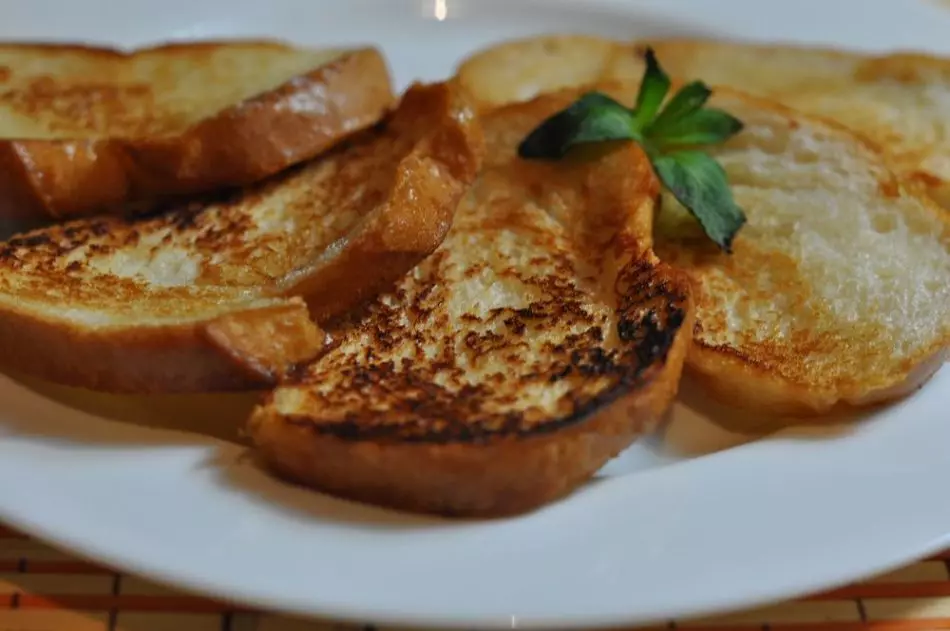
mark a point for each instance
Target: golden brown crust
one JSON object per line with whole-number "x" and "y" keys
{"x": 75, "y": 177}
{"x": 538, "y": 342}
{"x": 777, "y": 378}
{"x": 268, "y": 343}
{"x": 503, "y": 475}
{"x": 735, "y": 358}
{"x": 735, "y": 379}
{"x": 824, "y": 366}
{"x": 490, "y": 467}
{"x": 420, "y": 202}
{"x": 142, "y": 360}
{"x": 123, "y": 304}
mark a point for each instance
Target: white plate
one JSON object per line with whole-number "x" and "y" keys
{"x": 683, "y": 524}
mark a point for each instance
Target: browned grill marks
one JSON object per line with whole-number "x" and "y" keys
{"x": 650, "y": 317}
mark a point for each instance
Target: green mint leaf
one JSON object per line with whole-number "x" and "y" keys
{"x": 700, "y": 127}
{"x": 687, "y": 100}
{"x": 594, "y": 117}
{"x": 653, "y": 90}
{"x": 699, "y": 183}
{"x": 694, "y": 178}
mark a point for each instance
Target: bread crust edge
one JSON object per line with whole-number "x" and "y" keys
{"x": 160, "y": 359}
{"x": 502, "y": 476}
{"x": 755, "y": 389}
{"x": 244, "y": 143}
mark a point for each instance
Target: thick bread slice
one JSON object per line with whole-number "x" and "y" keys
{"x": 144, "y": 304}
{"x": 838, "y": 290}
{"x": 900, "y": 101}
{"x": 93, "y": 130}
{"x": 538, "y": 342}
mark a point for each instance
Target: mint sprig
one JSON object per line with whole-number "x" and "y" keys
{"x": 670, "y": 135}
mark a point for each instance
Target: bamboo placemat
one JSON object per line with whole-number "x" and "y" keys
{"x": 43, "y": 589}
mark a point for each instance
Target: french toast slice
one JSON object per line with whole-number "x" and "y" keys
{"x": 538, "y": 342}
{"x": 900, "y": 101}
{"x": 165, "y": 303}
{"x": 87, "y": 130}
{"x": 837, "y": 293}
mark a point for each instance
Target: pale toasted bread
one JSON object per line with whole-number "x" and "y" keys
{"x": 148, "y": 304}
{"x": 537, "y": 343}
{"x": 838, "y": 290}
{"x": 899, "y": 101}
{"x": 92, "y": 130}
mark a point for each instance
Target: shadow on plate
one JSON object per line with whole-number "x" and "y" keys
{"x": 249, "y": 477}
{"x": 37, "y": 408}
{"x": 696, "y": 427}
{"x": 699, "y": 425}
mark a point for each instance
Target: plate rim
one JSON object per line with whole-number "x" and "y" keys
{"x": 95, "y": 547}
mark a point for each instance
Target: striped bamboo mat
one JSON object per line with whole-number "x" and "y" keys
{"x": 42, "y": 589}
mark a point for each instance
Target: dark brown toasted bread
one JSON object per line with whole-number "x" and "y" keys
{"x": 538, "y": 342}
{"x": 149, "y": 304}
{"x": 92, "y": 130}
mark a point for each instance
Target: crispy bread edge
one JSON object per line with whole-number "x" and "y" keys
{"x": 769, "y": 393}
{"x": 494, "y": 476}
{"x": 411, "y": 224}
{"x": 146, "y": 360}
{"x": 248, "y": 347}
{"x": 754, "y": 387}
{"x": 244, "y": 143}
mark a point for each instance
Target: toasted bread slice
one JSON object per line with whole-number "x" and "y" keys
{"x": 538, "y": 342}
{"x": 838, "y": 290}
{"x": 165, "y": 303}
{"x": 899, "y": 101}
{"x": 93, "y": 130}
{"x": 837, "y": 294}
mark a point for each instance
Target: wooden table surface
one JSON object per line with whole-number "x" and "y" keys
{"x": 44, "y": 589}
